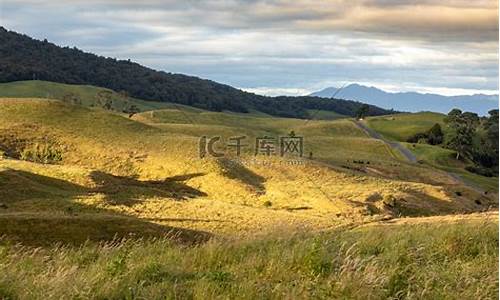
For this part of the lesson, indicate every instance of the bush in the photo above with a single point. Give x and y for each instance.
(42, 153)
(417, 138)
(389, 200)
(481, 171)
(433, 136)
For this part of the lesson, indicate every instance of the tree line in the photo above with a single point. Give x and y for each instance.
(473, 138)
(24, 58)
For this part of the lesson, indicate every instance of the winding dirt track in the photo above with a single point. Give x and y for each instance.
(394, 145)
(408, 154)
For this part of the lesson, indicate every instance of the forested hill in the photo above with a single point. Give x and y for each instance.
(24, 58)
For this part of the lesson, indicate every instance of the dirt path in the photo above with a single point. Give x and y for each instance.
(394, 145)
(409, 155)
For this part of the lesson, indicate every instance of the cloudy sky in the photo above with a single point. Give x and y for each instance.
(284, 47)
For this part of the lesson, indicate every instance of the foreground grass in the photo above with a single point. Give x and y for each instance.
(424, 260)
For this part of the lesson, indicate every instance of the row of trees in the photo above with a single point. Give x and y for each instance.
(474, 137)
(107, 100)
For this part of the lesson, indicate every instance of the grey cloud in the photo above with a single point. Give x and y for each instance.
(282, 44)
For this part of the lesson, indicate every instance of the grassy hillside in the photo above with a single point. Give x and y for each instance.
(438, 258)
(444, 159)
(119, 207)
(324, 115)
(88, 96)
(151, 171)
(401, 126)
(85, 95)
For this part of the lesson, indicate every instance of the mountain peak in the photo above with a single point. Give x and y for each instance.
(413, 101)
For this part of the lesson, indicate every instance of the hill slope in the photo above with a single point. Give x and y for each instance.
(401, 126)
(89, 96)
(85, 95)
(24, 58)
(148, 168)
(414, 102)
(127, 196)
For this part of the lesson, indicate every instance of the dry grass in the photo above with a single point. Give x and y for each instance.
(117, 217)
(423, 261)
(123, 167)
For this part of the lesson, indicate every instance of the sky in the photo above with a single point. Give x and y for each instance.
(277, 47)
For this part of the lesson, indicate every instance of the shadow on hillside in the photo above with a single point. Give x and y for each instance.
(17, 185)
(424, 204)
(52, 216)
(234, 169)
(120, 190)
(45, 230)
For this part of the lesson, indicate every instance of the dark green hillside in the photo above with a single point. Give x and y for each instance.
(24, 58)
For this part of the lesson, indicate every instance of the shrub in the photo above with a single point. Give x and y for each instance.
(417, 138)
(480, 171)
(268, 203)
(42, 153)
(389, 200)
(374, 197)
(433, 136)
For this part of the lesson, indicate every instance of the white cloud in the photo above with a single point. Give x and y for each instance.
(290, 47)
(273, 91)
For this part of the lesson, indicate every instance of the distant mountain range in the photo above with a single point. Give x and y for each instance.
(25, 58)
(412, 101)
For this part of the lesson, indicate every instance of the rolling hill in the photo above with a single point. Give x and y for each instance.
(85, 95)
(89, 96)
(98, 200)
(149, 168)
(414, 102)
(23, 58)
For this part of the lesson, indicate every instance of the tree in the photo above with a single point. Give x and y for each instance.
(124, 94)
(104, 99)
(23, 58)
(435, 135)
(362, 111)
(132, 110)
(72, 98)
(462, 128)
(486, 151)
(491, 127)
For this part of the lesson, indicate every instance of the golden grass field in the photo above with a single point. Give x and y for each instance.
(148, 168)
(127, 209)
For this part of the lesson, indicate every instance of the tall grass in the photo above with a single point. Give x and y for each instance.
(420, 261)
(44, 153)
